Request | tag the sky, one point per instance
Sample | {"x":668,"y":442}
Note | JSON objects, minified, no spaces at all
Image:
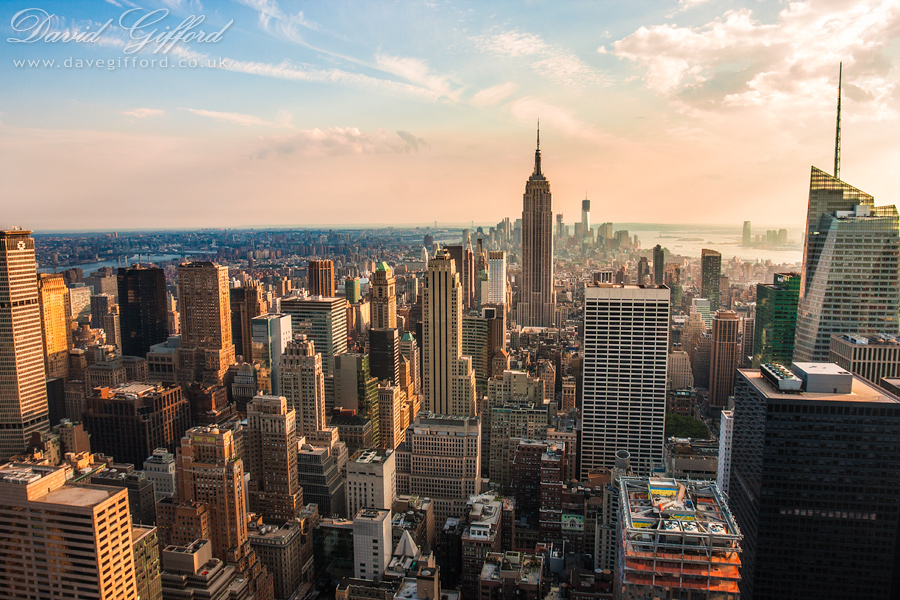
{"x":288,"y":113}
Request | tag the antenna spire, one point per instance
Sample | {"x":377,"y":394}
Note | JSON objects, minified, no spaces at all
{"x":537,"y":154}
{"x":539,"y":135}
{"x":837,"y":133}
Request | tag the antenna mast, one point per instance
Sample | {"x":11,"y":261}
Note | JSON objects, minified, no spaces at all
{"x":837,"y":133}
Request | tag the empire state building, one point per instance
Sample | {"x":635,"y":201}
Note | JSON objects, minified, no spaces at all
{"x":537,"y":302}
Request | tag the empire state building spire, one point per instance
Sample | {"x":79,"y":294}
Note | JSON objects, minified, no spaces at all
{"x":537,"y":156}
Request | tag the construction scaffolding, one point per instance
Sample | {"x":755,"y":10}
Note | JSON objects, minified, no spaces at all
{"x":677,"y":539}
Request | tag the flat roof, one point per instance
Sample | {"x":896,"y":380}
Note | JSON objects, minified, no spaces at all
{"x":79,"y":495}
{"x":861,"y":390}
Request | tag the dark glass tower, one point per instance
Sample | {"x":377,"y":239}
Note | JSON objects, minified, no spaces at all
{"x":711,"y":267}
{"x":142,"y":309}
{"x":776,"y":319}
{"x":814,"y":484}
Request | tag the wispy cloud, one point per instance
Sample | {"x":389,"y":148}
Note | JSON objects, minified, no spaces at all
{"x":142,"y":113}
{"x":230,"y":117}
{"x":551,"y":62}
{"x":494,"y":95}
{"x":340,"y":141}
{"x":417,"y":71}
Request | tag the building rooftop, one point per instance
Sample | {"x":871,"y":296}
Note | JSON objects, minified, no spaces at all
{"x":371,"y":455}
{"x":861,"y":390}
{"x":880,"y":339}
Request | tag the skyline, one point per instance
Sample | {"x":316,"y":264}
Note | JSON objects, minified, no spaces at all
{"x":382,"y":112}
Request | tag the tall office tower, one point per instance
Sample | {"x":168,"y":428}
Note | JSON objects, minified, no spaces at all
{"x":324,"y":321}
{"x":467,"y":276}
{"x":626,"y":342}
{"x":560,"y":228}
{"x":355,"y":387}
{"x":704,"y":307}
{"x":497,"y":277}
{"x":586,"y":218}
{"x":130,"y":421}
{"x":383,"y":297}
{"x":270,"y":447}
{"x":776,"y":319}
{"x":210,"y":472}
{"x":105,"y":316}
{"x":412,"y":290}
{"x":371,"y":542}
{"x":321,"y":278}
{"x":475,"y":345}
{"x":807,"y":498}
{"x":851,"y":275}
{"x":746,"y":237}
{"x":302,"y":383}
{"x":726,"y":436}
{"x":449,"y":379}
{"x":659,"y":265}
{"x":711,"y":271}
{"x":447,"y":465}
{"x":384,"y":354}
{"x":205,"y":320}
{"x":23,"y":381}
{"x":643,"y":271}
{"x":246,"y":302}
{"x":723,"y":357}
{"x":371,"y":479}
{"x":390,"y":415}
{"x":352,"y":290}
{"x":143,"y":321}
{"x":62,"y":540}
{"x":409,"y":349}
{"x":270,"y":334}
{"x":662,"y":518}
{"x":57,"y":335}
{"x":160,"y":469}
{"x":537,"y":300}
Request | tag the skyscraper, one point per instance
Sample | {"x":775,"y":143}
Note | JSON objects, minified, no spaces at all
{"x":55,"y":320}
{"x":23,"y":382}
{"x":321,"y":278}
{"x":496,"y":277}
{"x":659,"y":265}
{"x":711,"y":269}
{"x":324,"y":321}
{"x":449,"y":379}
{"x":384,"y":354}
{"x":383,"y":294}
{"x":776,"y":319}
{"x":586,"y":218}
{"x":210,"y":472}
{"x":270,"y":334}
{"x":143,"y":319}
{"x":351,"y":290}
{"x":626,"y":340}
{"x":537,"y":300}
{"x":302,"y":383}
{"x":56,"y":533}
{"x":105,"y":316}
{"x":270,"y":445}
{"x":746,"y":234}
{"x":851,"y":267}
{"x":205,"y":320}
{"x":246,"y":302}
{"x":723,"y":358}
{"x":813,"y":483}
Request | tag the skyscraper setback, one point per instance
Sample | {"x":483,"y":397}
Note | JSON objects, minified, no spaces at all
{"x":537,"y":300}
{"x":23,"y":390}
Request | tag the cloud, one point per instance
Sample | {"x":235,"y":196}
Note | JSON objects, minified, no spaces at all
{"x":141,"y":113}
{"x":304,"y":72}
{"x":494,"y":95}
{"x":273,"y":20}
{"x":556,"y":118}
{"x":738,"y":61}
{"x":340,"y":141}
{"x":416,"y":71}
{"x":230,"y":117}
{"x":550,"y":62}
